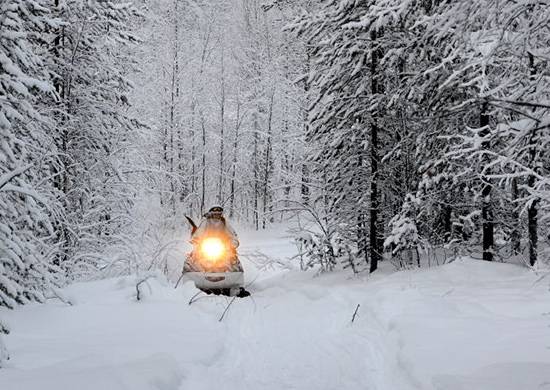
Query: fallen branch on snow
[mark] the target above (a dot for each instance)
(59, 296)
(355, 313)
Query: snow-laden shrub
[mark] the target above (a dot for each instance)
(152, 242)
(325, 243)
(325, 251)
(403, 240)
(324, 246)
(316, 249)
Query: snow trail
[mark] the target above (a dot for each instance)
(445, 328)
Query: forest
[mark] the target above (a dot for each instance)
(377, 134)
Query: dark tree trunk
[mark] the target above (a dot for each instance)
(532, 212)
(363, 237)
(532, 222)
(374, 241)
(486, 206)
(373, 233)
(447, 223)
(61, 173)
(516, 221)
(488, 225)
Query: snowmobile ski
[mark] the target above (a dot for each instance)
(234, 293)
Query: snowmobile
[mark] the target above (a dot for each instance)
(214, 266)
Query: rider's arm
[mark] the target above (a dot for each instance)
(233, 235)
(198, 233)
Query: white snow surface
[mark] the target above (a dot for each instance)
(465, 325)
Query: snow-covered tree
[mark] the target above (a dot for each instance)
(348, 121)
(227, 120)
(433, 97)
(90, 63)
(403, 238)
(27, 205)
(497, 82)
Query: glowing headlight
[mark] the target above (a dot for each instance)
(212, 248)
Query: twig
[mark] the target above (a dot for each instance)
(263, 261)
(179, 280)
(355, 313)
(138, 292)
(62, 299)
(252, 281)
(5, 179)
(227, 308)
(542, 277)
(193, 297)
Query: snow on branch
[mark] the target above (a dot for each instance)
(4, 179)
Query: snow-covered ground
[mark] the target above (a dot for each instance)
(465, 325)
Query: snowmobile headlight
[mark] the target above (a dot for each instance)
(212, 248)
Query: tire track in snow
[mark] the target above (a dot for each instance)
(295, 340)
(295, 332)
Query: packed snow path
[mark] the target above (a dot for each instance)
(466, 325)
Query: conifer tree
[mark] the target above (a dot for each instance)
(27, 205)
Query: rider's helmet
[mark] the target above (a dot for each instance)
(215, 212)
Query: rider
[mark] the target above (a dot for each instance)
(215, 224)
